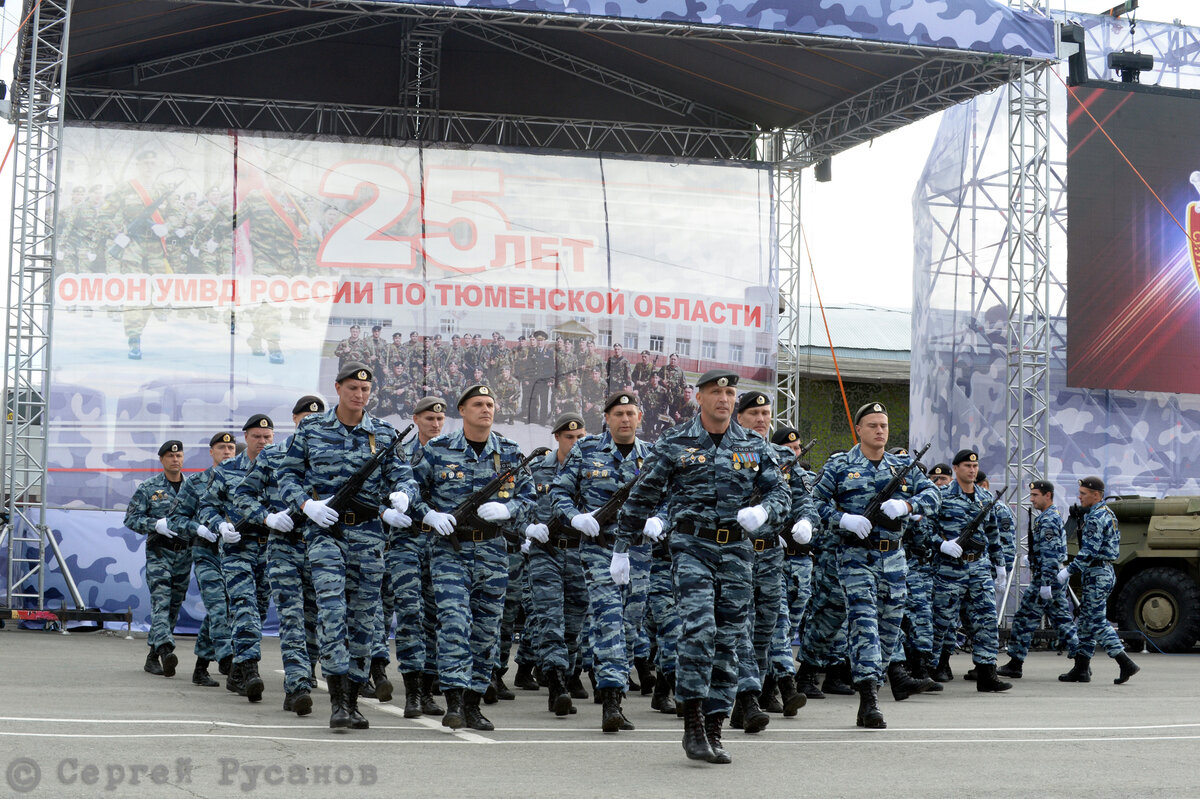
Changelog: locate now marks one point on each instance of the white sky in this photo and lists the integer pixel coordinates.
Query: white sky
(862, 219)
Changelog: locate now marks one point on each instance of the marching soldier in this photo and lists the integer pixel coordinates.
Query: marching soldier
(168, 555)
(940, 475)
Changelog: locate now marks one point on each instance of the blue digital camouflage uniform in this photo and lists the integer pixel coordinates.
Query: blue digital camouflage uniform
(795, 573)
(168, 560)
(871, 571)
(593, 471)
(636, 597)
(347, 560)
(918, 606)
(213, 639)
(288, 570)
(1006, 527)
(244, 564)
(707, 486)
(558, 591)
(661, 608)
(822, 640)
(516, 600)
(1048, 550)
(969, 580)
(1099, 545)
(469, 585)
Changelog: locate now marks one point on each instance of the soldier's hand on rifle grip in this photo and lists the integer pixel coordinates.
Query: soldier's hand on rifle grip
(399, 500)
(396, 518)
(494, 512)
(537, 532)
(319, 511)
(280, 521)
(228, 534)
(1045, 592)
(618, 569)
(205, 533)
(859, 525)
(895, 508)
(586, 523)
(1063, 575)
(442, 523)
(951, 548)
(802, 531)
(653, 529)
(752, 518)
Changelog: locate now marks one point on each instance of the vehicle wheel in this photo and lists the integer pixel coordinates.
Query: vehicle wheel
(1165, 605)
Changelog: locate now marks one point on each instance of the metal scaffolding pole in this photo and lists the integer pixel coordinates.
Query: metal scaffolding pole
(787, 185)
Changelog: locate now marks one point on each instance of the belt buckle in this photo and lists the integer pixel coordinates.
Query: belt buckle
(885, 545)
(348, 517)
(760, 544)
(722, 536)
(562, 543)
(476, 536)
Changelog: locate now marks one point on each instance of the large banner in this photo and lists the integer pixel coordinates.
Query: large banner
(203, 278)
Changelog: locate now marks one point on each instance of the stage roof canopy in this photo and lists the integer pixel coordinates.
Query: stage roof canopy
(691, 78)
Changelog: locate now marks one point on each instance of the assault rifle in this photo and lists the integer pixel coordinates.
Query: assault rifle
(967, 538)
(604, 515)
(142, 222)
(466, 509)
(785, 469)
(874, 510)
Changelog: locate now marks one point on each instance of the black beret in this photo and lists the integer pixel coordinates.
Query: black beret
(1045, 486)
(1094, 483)
(397, 334)
(221, 438)
(170, 446)
(897, 451)
(375, 328)
(477, 390)
(869, 408)
(620, 398)
(435, 404)
(940, 469)
(568, 421)
(981, 476)
(722, 377)
(965, 456)
(258, 420)
(753, 399)
(785, 435)
(355, 370)
(309, 403)
(646, 353)
(540, 334)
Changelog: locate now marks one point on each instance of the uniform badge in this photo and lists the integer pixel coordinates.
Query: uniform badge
(460, 475)
(700, 459)
(604, 473)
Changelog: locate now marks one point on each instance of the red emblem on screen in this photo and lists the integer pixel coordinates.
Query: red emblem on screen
(1193, 229)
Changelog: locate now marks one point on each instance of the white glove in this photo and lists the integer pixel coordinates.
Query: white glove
(586, 523)
(91, 256)
(228, 534)
(493, 512)
(1001, 575)
(951, 548)
(525, 547)
(859, 525)
(894, 508)
(752, 518)
(205, 533)
(280, 521)
(1045, 592)
(210, 246)
(160, 230)
(1063, 575)
(619, 568)
(180, 232)
(537, 532)
(1025, 561)
(399, 500)
(319, 511)
(802, 531)
(442, 523)
(653, 529)
(121, 240)
(161, 528)
(396, 518)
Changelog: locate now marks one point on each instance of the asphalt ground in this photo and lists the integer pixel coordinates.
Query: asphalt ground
(79, 717)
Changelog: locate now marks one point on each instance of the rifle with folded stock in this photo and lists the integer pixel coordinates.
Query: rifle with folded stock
(466, 509)
(874, 511)
(785, 469)
(604, 515)
(967, 538)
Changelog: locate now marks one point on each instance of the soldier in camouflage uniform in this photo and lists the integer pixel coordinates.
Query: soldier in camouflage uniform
(921, 548)
(617, 372)
(508, 395)
(596, 468)
(709, 468)
(498, 357)
(591, 359)
(394, 353)
(275, 227)
(350, 348)
(1099, 545)
(168, 555)
(593, 392)
(212, 239)
(175, 212)
(871, 564)
(823, 628)
(1007, 528)
(567, 396)
(80, 234)
(654, 403)
(470, 580)
(398, 395)
(243, 557)
(345, 546)
(541, 366)
(374, 352)
(641, 373)
(288, 571)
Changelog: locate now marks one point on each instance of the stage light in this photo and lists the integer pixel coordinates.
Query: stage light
(1072, 38)
(1130, 66)
(824, 171)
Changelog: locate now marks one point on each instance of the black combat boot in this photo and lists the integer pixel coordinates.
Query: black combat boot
(298, 702)
(753, 718)
(251, 680)
(920, 670)
(168, 658)
(524, 678)
(663, 699)
(1128, 668)
(1012, 668)
(985, 679)
(712, 732)
(1080, 672)
(972, 674)
(357, 720)
(695, 739)
(200, 675)
(903, 684)
(153, 666)
(645, 675)
(428, 706)
(235, 682)
(454, 708)
(943, 673)
(559, 700)
(339, 714)
(383, 686)
(806, 681)
(502, 690)
(471, 715)
(610, 714)
(769, 698)
(412, 694)
(869, 715)
(791, 699)
(837, 680)
(226, 663)
(575, 686)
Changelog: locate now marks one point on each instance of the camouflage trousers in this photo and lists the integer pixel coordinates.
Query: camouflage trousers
(793, 600)
(140, 256)
(244, 565)
(918, 610)
(347, 574)
(610, 663)
(823, 639)
(1094, 629)
(517, 602)
(559, 600)
(406, 562)
(637, 642)
(1029, 615)
(875, 592)
(213, 639)
(972, 586)
(660, 601)
(469, 588)
(754, 648)
(296, 602)
(167, 576)
(713, 592)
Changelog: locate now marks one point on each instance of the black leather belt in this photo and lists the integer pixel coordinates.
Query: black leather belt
(721, 535)
(160, 543)
(205, 544)
(763, 544)
(794, 550)
(971, 557)
(358, 513)
(564, 541)
(877, 544)
(472, 534)
(1093, 562)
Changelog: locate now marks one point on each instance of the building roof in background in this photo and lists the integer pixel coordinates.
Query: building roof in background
(871, 343)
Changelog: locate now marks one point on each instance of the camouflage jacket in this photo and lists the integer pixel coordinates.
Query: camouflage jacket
(186, 510)
(1099, 538)
(798, 487)
(152, 501)
(216, 504)
(957, 511)
(545, 471)
(258, 493)
(1008, 534)
(848, 482)
(592, 474)
(1048, 548)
